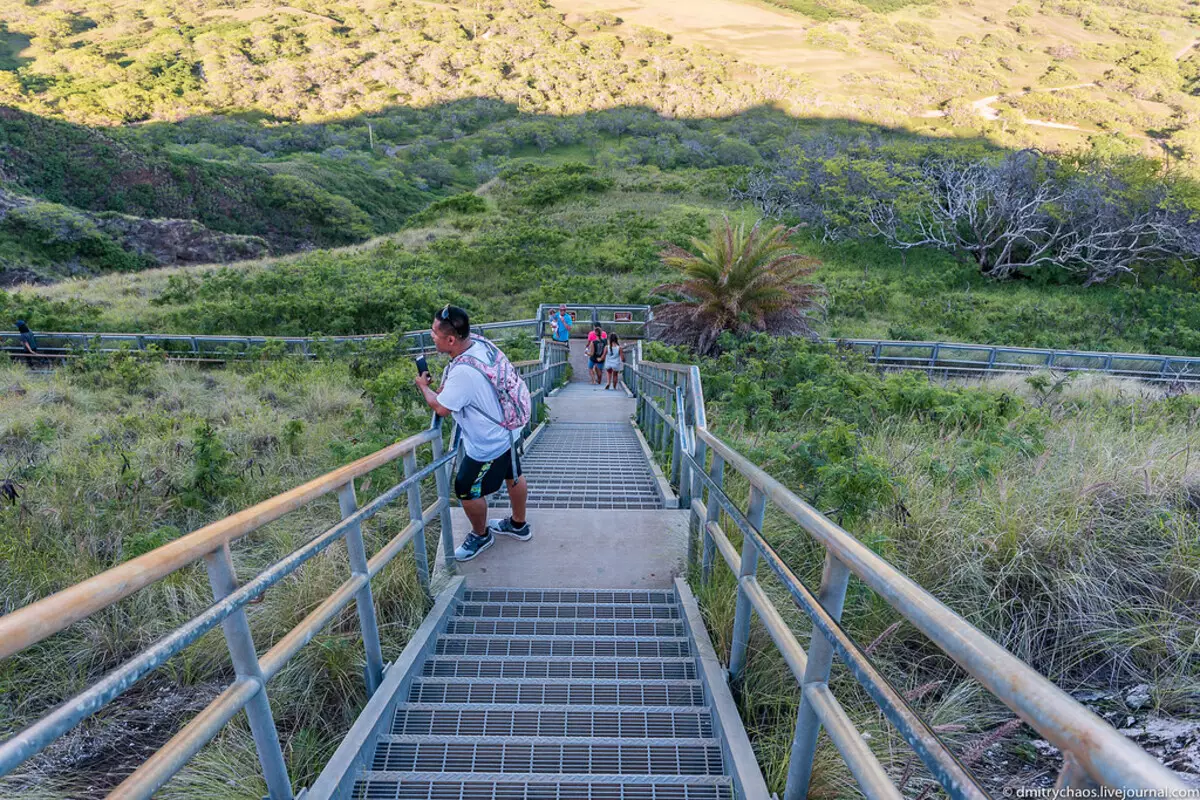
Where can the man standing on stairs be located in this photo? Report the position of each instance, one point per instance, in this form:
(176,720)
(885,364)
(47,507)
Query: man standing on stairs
(562,322)
(487,458)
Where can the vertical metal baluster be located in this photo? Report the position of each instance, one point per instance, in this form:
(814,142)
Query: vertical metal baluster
(749,566)
(712,513)
(441,477)
(357,554)
(676,457)
(700,456)
(832,597)
(245,664)
(420,553)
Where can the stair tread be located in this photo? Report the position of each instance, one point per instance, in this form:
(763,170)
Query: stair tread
(576,628)
(559,637)
(632,741)
(549,758)
(587,596)
(611,611)
(413,705)
(539,777)
(566,659)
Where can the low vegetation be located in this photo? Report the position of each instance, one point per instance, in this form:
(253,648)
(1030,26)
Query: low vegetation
(118,455)
(1048,512)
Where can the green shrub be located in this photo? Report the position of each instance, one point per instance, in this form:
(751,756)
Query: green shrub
(539,186)
(63,234)
(466,203)
(212,475)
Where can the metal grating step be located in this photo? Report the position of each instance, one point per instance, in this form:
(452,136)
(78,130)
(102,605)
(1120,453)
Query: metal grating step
(422,786)
(560,596)
(567,611)
(676,693)
(676,669)
(626,723)
(548,757)
(518,627)
(589,465)
(567,646)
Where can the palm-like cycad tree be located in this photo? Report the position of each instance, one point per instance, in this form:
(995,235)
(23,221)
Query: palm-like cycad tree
(740,281)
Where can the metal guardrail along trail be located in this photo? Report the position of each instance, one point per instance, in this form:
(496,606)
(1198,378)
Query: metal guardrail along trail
(953,358)
(947,358)
(671,414)
(39,620)
(627,320)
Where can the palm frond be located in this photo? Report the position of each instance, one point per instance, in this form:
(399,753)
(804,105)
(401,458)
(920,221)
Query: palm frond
(736,280)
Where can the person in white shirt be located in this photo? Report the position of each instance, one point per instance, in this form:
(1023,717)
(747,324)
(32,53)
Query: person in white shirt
(487,459)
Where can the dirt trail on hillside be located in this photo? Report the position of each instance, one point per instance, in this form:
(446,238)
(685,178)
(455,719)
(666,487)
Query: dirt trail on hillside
(748,32)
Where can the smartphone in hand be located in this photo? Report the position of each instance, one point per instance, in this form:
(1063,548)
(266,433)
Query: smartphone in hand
(422,367)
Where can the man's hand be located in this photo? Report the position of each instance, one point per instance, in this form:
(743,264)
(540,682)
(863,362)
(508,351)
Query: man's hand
(431,397)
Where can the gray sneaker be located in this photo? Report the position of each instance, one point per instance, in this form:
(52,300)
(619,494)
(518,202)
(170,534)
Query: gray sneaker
(473,546)
(506,527)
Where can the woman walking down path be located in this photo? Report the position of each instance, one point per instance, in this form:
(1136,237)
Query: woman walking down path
(614,361)
(597,344)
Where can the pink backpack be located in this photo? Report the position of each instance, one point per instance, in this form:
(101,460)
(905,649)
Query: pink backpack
(510,388)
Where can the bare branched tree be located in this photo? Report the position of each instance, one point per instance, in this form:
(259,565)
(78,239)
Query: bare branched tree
(1022,212)
(996,214)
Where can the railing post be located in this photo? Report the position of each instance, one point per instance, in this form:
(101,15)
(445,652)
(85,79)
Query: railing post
(749,566)
(832,598)
(696,487)
(676,457)
(415,514)
(245,664)
(356,551)
(441,477)
(712,512)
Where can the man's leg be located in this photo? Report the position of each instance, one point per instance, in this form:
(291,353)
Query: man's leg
(518,494)
(468,488)
(476,511)
(515,524)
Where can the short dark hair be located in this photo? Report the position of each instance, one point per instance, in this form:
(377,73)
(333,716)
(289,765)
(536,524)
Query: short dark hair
(598,327)
(455,319)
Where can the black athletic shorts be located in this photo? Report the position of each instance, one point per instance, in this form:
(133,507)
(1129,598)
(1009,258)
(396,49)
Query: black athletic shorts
(477,479)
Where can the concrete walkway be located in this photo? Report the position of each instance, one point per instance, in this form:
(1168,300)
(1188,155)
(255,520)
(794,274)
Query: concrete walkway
(592,545)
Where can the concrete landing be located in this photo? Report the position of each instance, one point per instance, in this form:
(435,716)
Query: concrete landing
(580,549)
(585,402)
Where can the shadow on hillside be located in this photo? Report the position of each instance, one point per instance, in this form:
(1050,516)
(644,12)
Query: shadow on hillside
(302,185)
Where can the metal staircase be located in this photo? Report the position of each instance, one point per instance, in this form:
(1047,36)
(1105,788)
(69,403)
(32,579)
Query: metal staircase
(554,694)
(541,694)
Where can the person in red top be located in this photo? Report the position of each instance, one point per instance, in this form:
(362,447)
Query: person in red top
(597,344)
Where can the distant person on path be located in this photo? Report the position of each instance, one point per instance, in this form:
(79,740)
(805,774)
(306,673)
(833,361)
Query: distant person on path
(614,361)
(597,340)
(561,322)
(27,340)
(487,457)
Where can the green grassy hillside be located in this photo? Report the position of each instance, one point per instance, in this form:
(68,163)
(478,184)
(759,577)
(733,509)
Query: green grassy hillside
(582,233)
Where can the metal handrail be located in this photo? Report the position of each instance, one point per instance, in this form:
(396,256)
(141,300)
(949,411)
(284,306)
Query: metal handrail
(1094,752)
(634,325)
(198,346)
(957,357)
(35,622)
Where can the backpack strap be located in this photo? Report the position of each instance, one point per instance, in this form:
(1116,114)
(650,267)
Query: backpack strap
(492,350)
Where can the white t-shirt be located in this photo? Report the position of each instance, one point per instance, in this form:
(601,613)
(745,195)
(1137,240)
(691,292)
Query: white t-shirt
(466,392)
